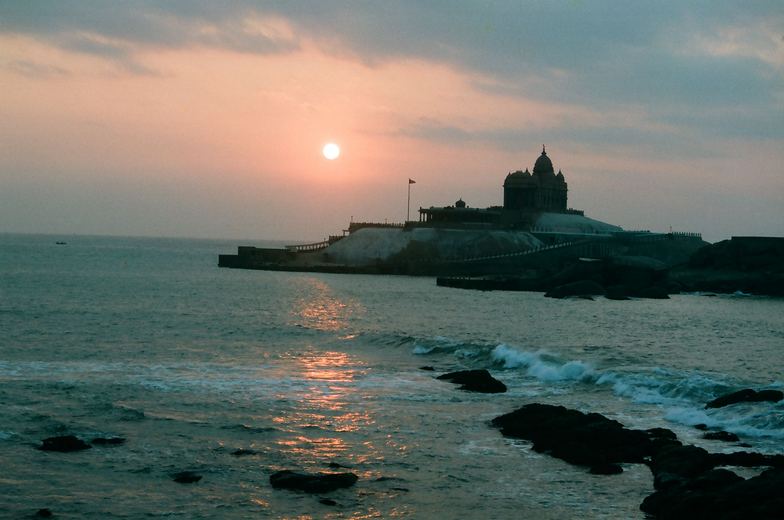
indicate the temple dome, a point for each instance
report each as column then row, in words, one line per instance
column 543, row 164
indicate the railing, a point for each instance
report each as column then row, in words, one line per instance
column 356, row 226
column 647, row 236
column 515, row 253
column 316, row 246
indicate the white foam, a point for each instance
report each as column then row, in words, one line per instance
column 756, row 422
column 542, row 365
column 421, row 350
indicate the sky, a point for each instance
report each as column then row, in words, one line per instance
column 207, row 119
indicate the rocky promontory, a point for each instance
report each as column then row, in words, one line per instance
column 753, row 265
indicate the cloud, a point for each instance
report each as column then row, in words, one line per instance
column 120, row 33
column 35, row 70
column 680, row 64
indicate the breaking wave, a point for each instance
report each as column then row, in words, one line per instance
column 680, row 395
column 543, row 365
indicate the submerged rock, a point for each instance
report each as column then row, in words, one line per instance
column 243, row 452
column 64, row 443
column 312, row 482
column 107, row 441
column 186, row 477
column 746, row 395
column 475, row 381
column 43, row 513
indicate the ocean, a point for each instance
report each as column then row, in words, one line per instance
column 148, row 340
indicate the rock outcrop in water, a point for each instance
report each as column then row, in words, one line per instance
column 64, row 443
column 312, row 482
column 475, row 381
column 687, row 479
column 578, row 438
column 746, row 395
column 186, row 477
column 689, row 485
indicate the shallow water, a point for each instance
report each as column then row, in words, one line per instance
column 148, row 340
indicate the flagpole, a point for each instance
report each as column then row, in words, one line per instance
column 408, row 205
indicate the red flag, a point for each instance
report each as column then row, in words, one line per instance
column 411, row 181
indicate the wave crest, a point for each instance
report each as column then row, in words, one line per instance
column 543, row 365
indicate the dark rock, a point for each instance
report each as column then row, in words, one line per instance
column 578, row 438
column 721, row 494
column 684, row 461
column 65, row 443
column 606, row 469
column 661, row 434
column 662, row 437
column 475, row 381
column 721, row 436
column 243, row 452
column 746, row 395
column 107, row 441
column 617, row 292
column 713, row 479
column 312, row 483
column 327, row 502
column 428, row 368
column 43, row 513
column 747, row 459
column 701, row 426
column 186, row 477
column 579, row 288
column 664, row 480
column 337, row 465
column 774, row 396
column 387, row 479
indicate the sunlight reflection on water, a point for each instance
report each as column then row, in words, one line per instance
column 324, row 405
column 319, row 309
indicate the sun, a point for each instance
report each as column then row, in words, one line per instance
column 331, row 151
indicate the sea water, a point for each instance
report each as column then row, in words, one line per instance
column 147, row 339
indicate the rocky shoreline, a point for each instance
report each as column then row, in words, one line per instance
column 689, row 481
column 746, row 265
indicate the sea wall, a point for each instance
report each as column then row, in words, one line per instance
column 371, row 246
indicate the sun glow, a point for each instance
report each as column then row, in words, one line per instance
column 331, row 151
